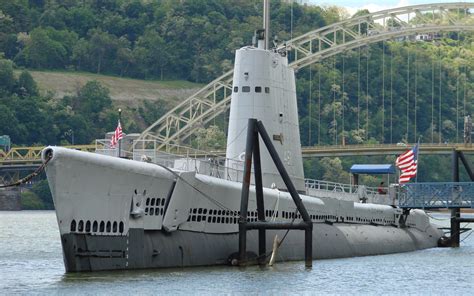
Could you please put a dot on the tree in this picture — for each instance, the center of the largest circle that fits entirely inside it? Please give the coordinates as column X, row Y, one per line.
column 7, row 80
column 41, row 189
column 92, row 99
column 153, row 53
column 333, row 170
column 102, row 45
column 211, row 138
column 27, row 83
column 47, row 48
column 9, row 123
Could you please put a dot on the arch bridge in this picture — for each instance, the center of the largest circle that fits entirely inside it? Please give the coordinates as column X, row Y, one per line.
column 214, row 99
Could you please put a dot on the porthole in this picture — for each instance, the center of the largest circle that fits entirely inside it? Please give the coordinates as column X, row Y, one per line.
column 162, row 202
column 102, row 226
column 258, row 89
column 114, row 227
column 95, row 226
column 218, row 219
column 148, row 201
column 152, row 211
column 236, row 89
column 245, row 89
column 121, row 227
column 209, row 219
column 108, row 227
column 267, row 90
column 80, row 228
column 200, row 211
column 152, row 202
column 214, row 219
column 161, row 211
column 73, row 225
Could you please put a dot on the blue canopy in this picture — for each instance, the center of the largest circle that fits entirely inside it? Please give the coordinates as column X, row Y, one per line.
column 372, row 169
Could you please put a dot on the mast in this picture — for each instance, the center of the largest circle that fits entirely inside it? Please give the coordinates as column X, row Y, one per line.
column 266, row 22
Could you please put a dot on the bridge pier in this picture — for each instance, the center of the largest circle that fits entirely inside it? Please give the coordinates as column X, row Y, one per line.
column 454, row 238
column 455, row 221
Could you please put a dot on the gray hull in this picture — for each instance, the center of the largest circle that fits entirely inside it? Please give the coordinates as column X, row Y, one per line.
column 121, row 214
column 157, row 249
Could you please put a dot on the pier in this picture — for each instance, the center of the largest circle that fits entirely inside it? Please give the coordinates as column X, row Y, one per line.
column 453, row 196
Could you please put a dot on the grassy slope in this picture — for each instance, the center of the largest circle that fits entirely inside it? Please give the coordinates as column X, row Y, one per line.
column 124, row 90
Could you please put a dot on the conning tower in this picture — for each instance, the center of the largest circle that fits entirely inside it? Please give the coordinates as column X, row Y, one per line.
column 264, row 88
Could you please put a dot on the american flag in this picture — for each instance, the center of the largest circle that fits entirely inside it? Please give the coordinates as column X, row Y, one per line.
column 116, row 136
column 408, row 164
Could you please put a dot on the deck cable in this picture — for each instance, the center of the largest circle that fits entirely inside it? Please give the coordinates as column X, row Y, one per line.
column 212, row 200
column 26, row 179
column 235, row 213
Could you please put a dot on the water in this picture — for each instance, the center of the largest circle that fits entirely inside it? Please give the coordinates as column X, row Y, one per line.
column 31, row 263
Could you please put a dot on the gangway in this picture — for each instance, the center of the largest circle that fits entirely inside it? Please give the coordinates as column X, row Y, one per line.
column 448, row 195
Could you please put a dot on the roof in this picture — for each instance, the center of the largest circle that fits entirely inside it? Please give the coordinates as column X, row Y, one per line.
column 372, row 169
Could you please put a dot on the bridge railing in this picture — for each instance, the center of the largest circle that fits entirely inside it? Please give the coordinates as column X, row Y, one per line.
column 23, row 155
column 400, row 146
column 437, row 195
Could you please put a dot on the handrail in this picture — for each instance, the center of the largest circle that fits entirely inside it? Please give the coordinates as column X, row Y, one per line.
column 33, row 154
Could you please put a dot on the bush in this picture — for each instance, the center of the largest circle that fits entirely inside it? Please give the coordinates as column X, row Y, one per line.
column 41, row 189
column 30, row 201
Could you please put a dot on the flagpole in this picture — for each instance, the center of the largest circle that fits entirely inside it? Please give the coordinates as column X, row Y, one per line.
column 417, row 158
column 119, row 140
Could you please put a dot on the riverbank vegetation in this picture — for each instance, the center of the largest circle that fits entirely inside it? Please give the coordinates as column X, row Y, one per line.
column 397, row 91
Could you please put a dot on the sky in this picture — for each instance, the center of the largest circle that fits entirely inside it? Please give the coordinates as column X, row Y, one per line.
column 372, row 5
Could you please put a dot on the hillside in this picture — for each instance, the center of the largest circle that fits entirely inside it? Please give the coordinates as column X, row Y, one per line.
column 125, row 90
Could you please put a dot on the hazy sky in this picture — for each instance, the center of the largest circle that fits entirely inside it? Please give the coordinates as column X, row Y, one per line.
column 373, row 5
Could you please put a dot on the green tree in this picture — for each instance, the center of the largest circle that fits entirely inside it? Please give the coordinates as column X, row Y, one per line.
column 47, row 48
column 91, row 99
column 102, row 47
column 211, row 138
column 27, row 83
column 7, row 80
column 41, row 189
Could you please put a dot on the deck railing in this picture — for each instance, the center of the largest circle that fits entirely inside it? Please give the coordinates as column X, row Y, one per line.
column 213, row 164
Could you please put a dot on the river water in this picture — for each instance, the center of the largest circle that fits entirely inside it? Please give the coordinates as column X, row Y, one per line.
column 31, row 263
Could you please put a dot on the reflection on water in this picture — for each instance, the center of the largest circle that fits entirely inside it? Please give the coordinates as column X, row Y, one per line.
column 31, row 262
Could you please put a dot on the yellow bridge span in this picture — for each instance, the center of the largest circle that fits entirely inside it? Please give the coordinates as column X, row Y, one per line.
column 18, row 156
column 32, row 155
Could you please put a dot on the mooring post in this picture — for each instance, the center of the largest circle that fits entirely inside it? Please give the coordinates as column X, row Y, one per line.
column 466, row 165
column 292, row 190
column 455, row 212
column 308, row 245
column 257, row 167
column 252, row 149
column 251, row 130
